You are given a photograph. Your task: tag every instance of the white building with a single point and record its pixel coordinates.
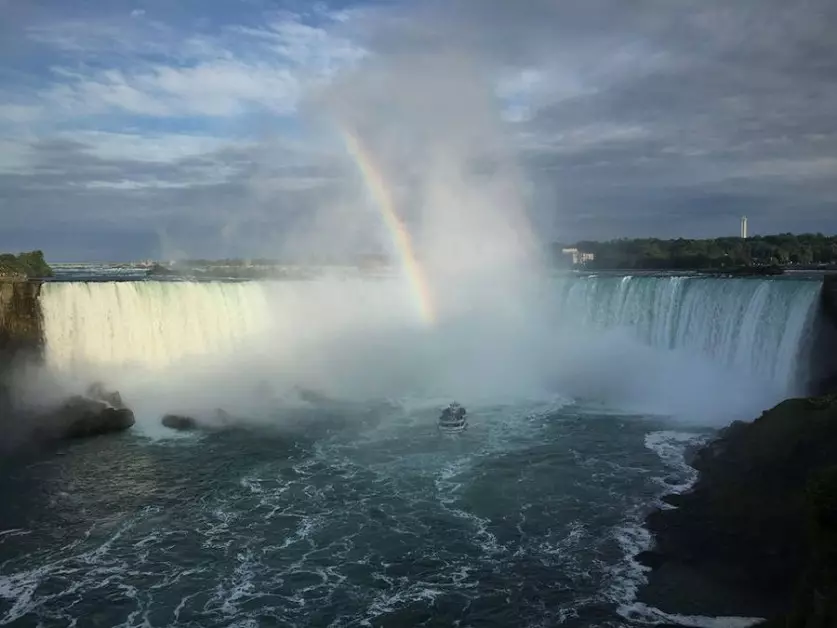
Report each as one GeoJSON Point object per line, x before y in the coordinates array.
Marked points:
{"type": "Point", "coordinates": [578, 257]}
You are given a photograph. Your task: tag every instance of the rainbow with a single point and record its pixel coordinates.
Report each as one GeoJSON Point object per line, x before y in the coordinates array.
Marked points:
{"type": "Point", "coordinates": [377, 188]}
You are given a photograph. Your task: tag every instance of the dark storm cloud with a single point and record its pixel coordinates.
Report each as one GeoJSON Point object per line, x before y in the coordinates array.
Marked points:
{"type": "Point", "coordinates": [208, 204]}
{"type": "Point", "coordinates": [732, 108]}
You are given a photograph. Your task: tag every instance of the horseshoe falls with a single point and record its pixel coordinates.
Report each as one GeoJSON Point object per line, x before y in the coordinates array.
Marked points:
{"type": "Point", "coordinates": [330, 498]}
{"type": "Point", "coordinates": [755, 325]}
{"type": "Point", "coordinates": [760, 330]}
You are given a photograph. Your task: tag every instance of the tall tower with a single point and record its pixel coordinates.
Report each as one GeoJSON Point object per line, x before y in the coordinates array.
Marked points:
{"type": "Point", "coordinates": [743, 226]}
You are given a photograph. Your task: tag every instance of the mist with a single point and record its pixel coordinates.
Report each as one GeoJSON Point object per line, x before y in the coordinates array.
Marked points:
{"type": "Point", "coordinates": [432, 126]}
{"type": "Point", "coordinates": [431, 122]}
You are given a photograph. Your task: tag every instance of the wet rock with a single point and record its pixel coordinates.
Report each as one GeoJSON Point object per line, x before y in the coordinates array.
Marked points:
{"type": "Point", "coordinates": [97, 391]}
{"type": "Point", "coordinates": [179, 422]}
{"type": "Point", "coordinates": [81, 417]}
{"type": "Point", "coordinates": [313, 397]}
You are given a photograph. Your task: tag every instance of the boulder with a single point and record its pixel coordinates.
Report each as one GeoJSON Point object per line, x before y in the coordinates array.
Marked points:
{"type": "Point", "coordinates": [97, 391]}
{"type": "Point", "coordinates": [179, 422]}
{"type": "Point", "coordinates": [81, 417]}
{"type": "Point", "coordinates": [313, 397]}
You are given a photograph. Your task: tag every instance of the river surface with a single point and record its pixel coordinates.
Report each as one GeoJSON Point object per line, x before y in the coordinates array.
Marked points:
{"type": "Point", "coordinates": [366, 516]}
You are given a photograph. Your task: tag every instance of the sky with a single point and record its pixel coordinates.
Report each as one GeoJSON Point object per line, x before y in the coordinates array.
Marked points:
{"type": "Point", "coordinates": [151, 128]}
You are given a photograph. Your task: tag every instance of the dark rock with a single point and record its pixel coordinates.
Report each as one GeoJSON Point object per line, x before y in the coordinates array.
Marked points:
{"type": "Point", "coordinates": [673, 499]}
{"type": "Point", "coordinates": [179, 422]}
{"type": "Point", "coordinates": [650, 558]}
{"type": "Point", "coordinates": [745, 526]}
{"type": "Point", "coordinates": [97, 391]}
{"type": "Point", "coordinates": [815, 601]}
{"type": "Point", "coordinates": [822, 359]}
{"type": "Point", "coordinates": [81, 417]}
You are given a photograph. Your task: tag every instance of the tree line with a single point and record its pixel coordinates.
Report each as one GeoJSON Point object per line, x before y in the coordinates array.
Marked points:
{"type": "Point", "coordinates": [653, 253]}
{"type": "Point", "coordinates": [29, 265]}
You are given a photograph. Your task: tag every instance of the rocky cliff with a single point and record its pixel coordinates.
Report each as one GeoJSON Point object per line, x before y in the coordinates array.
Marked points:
{"type": "Point", "coordinates": [823, 358]}
{"type": "Point", "coordinates": [97, 412]}
{"type": "Point", "coordinates": [757, 534]}
{"type": "Point", "coordinates": [20, 318]}
{"type": "Point", "coordinates": [21, 338]}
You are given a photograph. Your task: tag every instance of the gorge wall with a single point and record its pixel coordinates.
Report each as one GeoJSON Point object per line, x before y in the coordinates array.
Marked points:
{"type": "Point", "coordinates": [21, 332]}
{"type": "Point", "coordinates": [823, 358]}
{"type": "Point", "coordinates": [21, 320]}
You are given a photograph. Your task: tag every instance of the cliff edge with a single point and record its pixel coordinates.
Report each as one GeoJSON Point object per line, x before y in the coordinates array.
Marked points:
{"type": "Point", "coordinates": [21, 339]}
{"type": "Point", "coordinates": [20, 318]}
{"type": "Point", "coordinates": [20, 309]}
{"type": "Point", "coordinates": [757, 534]}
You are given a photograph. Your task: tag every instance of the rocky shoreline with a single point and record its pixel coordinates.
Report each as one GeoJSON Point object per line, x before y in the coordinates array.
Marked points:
{"type": "Point", "coordinates": [756, 536]}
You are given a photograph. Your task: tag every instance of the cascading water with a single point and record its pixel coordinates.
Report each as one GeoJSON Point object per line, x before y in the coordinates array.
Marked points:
{"type": "Point", "coordinates": [197, 346]}
{"type": "Point", "coordinates": [757, 326]}
{"type": "Point", "coordinates": [150, 323]}
{"type": "Point", "coordinates": [651, 344]}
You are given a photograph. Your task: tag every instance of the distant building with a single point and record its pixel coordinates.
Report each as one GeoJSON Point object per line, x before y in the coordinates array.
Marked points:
{"type": "Point", "coordinates": [744, 227]}
{"type": "Point", "coordinates": [578, 257]}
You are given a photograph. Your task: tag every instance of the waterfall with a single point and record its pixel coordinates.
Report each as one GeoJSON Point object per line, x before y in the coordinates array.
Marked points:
{"type": "Point", "coordinates": [759, 326]}
{"type": "Point", "coordinates": [148, 322]}
{"type": "Point", "coordinates": [665, 345]}
{"type": "Point", "coordinates": [156, 324]}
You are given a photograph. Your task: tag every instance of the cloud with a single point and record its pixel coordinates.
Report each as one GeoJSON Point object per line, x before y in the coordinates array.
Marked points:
{"type": "Point", "coordinates": [688, 114]}
{"type": "Point", "coordinates": [154, 71]}
{"type": "Point", "coordinates": [657, 118]}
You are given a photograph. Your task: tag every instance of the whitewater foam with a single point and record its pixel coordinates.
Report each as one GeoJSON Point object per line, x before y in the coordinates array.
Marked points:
{"type": "Point", "coordinates": [633, 537]}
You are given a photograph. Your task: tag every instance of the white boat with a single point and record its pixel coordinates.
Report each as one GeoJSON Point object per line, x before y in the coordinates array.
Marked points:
{"type": "Point", "coordinates": [453, 418]}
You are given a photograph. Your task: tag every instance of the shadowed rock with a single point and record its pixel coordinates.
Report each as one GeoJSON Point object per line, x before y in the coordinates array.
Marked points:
{"type": "Point", "coordinates": [81, 417]}
{"type": "Point", "coordinates": [756, 534]}
{"type": "Point", "coordinates": [179, 422]}
{"type": "Point", "coordinates": [97, 391]}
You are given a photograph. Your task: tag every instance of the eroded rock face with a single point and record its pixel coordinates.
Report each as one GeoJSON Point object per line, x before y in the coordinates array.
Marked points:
{"type": "Point", "coordinates": [21, 321]}
{"type": "Point", "coordinates": [823, 357]}
{"type": "Point", "coordinates": [21, 340]}
{"type": "Point", "coordinates": [745, 527]}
